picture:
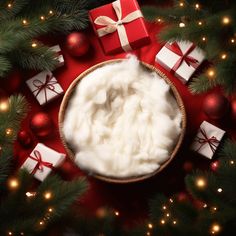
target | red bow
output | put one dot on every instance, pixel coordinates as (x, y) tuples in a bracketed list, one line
[(48, 84), (40, 163), (213, 142), (174, 47)]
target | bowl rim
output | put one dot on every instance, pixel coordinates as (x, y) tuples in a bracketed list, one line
[(176, 95)]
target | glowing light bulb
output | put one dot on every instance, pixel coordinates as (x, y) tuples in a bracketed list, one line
[(174, 222), (150, 226), (117, 213), (163, 222), (50, 12), (219, 190), (168, 214), (42, 17), (181, 4), (181, 25), (9, 132), (159, 20), (223, 56), (214, 208), (9, 5), (41, 223), (4, 105), (171, 200), (215, 228), (232, 40), (225, 20), (232, 162), (211, 73), (200, 182), (164, 207), (148, 234), (24, 22), (48, 195), (203, 39), (34, 45), (50, 209), (10, 233), (197, 6), (13, 183), (205, 205), (199, 22)]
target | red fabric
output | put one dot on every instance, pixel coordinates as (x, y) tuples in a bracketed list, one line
[(111, 42), (129, 199)]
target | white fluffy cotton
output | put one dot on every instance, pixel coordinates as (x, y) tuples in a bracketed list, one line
[(122, 121)]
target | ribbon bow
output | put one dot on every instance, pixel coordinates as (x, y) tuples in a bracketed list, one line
[(40, 163), (212, 141), (43, 86), (191, 61), (112, 26)]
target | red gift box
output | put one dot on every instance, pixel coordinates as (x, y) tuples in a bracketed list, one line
[(120, 26)]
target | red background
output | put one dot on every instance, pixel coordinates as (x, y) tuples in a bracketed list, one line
[(129, 199)]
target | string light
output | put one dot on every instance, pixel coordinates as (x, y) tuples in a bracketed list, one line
[(211, 73), (42, 17), (13, 183), (232, 162), (171, 200), (34, 45), (25, 22), (174, 222), (181, 4), (29, 194), (181, 25), (9, 233), (197, 6), (4, 105), (164, 207), (225, 20), (22, 233), (205, 205), (50, 209), (150, 226), (9, 132), (9, 5), (232, 40), (148, 234), (203, 39), (223, 56), (117, 213), (215, 228), (159, 20), (199, 22), (200, 182), (168, 214), (50, 12), (48, 195), (41, 223), (214, 208), (219, 190), (163, 222)]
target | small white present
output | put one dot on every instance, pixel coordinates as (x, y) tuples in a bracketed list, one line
[(182, 58), (42, 160), (45, 87), (59, 56), (207, 139)]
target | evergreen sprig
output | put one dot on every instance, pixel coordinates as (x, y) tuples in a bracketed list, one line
[(212, 28)]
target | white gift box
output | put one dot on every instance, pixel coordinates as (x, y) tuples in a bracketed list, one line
[(60, 57), (207, 139), (42, 160), (180, 57), (45, 87)]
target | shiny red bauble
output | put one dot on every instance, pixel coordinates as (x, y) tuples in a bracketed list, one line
[(41, 124), (215, 106), (214, 165), (233, 109), (25, 138), (77, 44)]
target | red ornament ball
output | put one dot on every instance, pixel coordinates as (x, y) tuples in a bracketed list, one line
[(214, 165), (41, 124), (233, 109), (215, 106), (24, 138), (77, 44)]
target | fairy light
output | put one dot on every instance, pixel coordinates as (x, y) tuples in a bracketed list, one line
[(171, 200), (9, 132), (150, 226), (199, 23), (211, 73), (50, 209), (22, 233), (164, 207), (197, 6), (232, 40), (9, 233), (219, 190), (148, 234), (168, 214), (215, 228), (163, 222), (13, 183), (181, 4), (4, 105), (117, 213), (200, 183), (174, 222), (29, 194), (232, 162), (9, 5), (205, 205), (50, 12), (48, 195), (159, 20), (181, 24), (223, 56), (225, 20), (34, 45), (214, 208), (41, 223), (25, 22), (203, 39), (42, 17)]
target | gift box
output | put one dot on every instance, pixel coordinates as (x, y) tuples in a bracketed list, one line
[(45, 87), (207, 139), (59, 56), (120, 26), (42, 160), (182, 58)]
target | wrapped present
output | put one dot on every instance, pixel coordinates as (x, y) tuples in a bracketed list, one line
[(42, 160), (44, 87), (181, 58), (207, 139), (120, 26), (59, 56)]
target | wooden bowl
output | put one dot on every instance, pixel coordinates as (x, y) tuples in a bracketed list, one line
[(175, 93)]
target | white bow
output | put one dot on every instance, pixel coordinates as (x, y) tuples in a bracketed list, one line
[(111, 25)]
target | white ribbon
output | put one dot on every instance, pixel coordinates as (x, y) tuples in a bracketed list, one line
[(112, 26)]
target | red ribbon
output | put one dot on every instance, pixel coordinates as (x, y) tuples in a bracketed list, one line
[(212, 141), (40, 163), (48, 84), (191, 61)]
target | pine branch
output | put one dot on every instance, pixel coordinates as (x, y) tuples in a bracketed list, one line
[(201, 84)]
